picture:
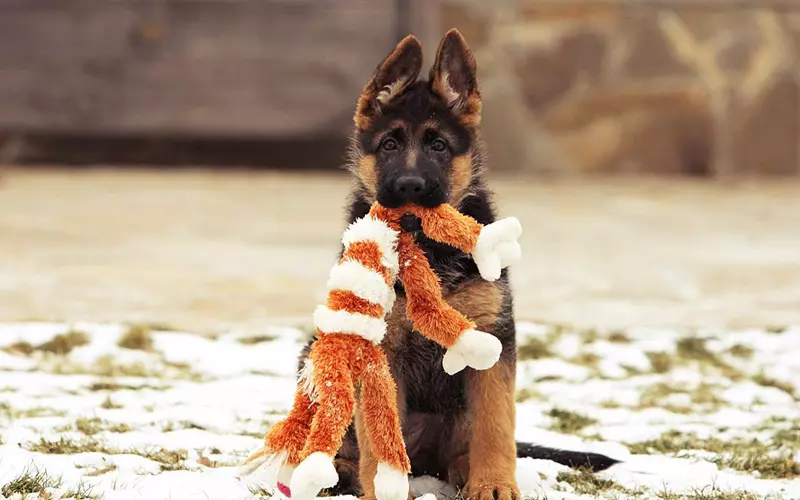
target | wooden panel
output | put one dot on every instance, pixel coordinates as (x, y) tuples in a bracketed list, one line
[(221, 67)]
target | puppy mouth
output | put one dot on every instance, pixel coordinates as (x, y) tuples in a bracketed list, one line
[(432, 199)]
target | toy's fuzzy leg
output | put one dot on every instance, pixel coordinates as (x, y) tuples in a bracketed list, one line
[(447, 225), (493, 246), (436, 319), (335, 396), (426, 308), (381, 422), (285, 441)]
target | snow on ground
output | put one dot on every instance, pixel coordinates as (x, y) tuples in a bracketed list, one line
[(118, 412)]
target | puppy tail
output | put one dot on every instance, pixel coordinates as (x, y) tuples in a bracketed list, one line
[(574, 459)]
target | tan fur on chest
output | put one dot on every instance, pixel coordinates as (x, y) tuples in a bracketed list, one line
[(479, 300)]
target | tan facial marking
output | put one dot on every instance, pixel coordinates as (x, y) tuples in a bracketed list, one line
[(411, 159), (367, 172), (460, 177)]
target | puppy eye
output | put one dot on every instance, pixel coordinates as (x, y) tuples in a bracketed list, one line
[(438, 145), (389, 145)]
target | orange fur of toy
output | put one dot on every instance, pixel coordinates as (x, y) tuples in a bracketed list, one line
[(290, 434), (336, 369), (343, 300), (369, 254), (426, 309), (341, 362), (378, 405), (447, 225), (344, 362)]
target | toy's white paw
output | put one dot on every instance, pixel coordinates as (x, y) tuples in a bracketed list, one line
[(390, 483), (476, 349), (497, 247), (285, 473), (312, 475)]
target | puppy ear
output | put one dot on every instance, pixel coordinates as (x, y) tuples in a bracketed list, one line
[(393, 75), (454, 78)]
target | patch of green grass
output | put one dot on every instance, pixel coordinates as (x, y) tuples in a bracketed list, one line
[(695, 349), (703, 397), (34, 412), (65, 446), (60, 345), (108, 366), (114, 386), (81, 492), (167, 459), (589, 335), (654, 396), (101, 471), (762, 379), (770, 460), (788, 438), (30, 481), (741, 351), (619, 337), (661, 362), (257, 339), (88, 426), (158, 326), (259, 493), (109, 404), (587, 359), (708, 493), (20, 347), (137, 337), (534, 348), (569, 422), (705, 394), (631, 371), (183, 424), (252, 434), (92, 426), (585, 482), (526, 394), (63, 343)]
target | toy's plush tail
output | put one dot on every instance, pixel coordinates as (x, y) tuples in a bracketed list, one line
[(283, 444), (333, 393), (380, 423), (437, 320)]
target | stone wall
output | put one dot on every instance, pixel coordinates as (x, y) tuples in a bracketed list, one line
[(669, 87)]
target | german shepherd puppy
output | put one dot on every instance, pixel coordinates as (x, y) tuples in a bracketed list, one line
[(419, 141)]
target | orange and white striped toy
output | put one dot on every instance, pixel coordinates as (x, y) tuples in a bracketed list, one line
[(347, 353)]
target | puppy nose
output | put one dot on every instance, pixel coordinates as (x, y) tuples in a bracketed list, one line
[(409, 187)]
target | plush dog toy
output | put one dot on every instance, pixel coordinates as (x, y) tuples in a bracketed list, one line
[(346, 358)]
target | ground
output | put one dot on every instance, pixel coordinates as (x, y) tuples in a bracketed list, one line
[(150, 322), (210, 251), (121, 412)]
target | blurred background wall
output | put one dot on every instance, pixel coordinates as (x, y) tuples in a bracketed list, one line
[(691, 87)]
